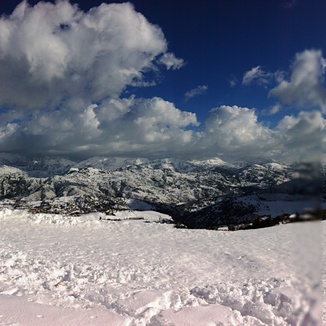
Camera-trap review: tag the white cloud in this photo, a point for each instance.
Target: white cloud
(171, 62)
(199, 90)
(62, 72)
(235, 131)
(156, 128)
(260, 77)
(275, 109)
(306, 86)
(302, 136)
(257, 75)
(233, 81)
(272, 110)
(53, 51)
(7, 131)
(129, 126)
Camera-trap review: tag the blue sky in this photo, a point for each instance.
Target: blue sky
(222, 39)
(220, 54)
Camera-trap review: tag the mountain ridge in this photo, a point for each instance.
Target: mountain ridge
(178, 187)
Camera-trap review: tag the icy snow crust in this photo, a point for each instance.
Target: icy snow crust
(132, 270)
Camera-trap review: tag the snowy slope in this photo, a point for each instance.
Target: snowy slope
(131, 270)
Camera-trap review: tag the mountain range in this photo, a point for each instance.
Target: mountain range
(196, 193)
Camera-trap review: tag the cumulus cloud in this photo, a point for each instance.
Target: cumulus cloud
(275, 109)
(306, 88)
(199, 90)
(63, 72)
(233, 81)
(236, 131)
(272, 110)
(150, 125)
(257, 75)
(302, 135)
(156, 128)
(50, 52)
(260, 77)
(129, 126)
(171, 62)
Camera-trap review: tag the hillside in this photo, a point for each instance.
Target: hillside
(187, 190)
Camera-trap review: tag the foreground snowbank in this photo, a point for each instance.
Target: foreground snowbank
(130, 270)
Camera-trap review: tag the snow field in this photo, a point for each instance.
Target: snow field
(57, 270)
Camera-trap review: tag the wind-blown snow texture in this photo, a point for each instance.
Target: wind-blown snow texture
(129, 271)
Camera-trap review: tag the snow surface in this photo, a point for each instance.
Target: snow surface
(215, 162)
(133, 270)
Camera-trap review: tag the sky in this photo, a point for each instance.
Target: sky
(238, 80)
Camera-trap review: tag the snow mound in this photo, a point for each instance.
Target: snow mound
(91, 219)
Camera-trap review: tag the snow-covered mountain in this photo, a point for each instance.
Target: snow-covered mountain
(184, 189)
